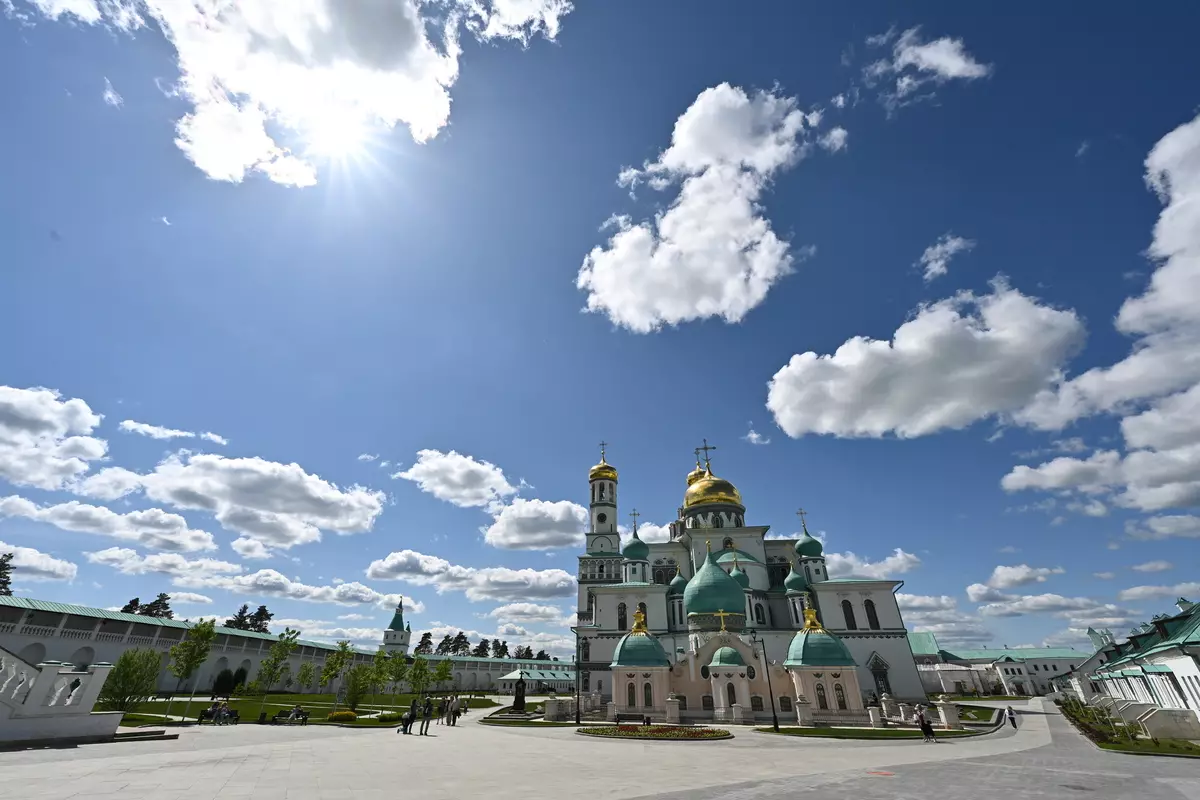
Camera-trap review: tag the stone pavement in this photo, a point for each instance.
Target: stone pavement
(1044, 758)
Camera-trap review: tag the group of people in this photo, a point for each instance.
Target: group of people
(447, 711)
(220, 713)
(927, 727)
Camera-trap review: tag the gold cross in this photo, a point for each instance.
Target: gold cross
(721, 615)
(635, 516)
(706, 448)
(802, 514)
(602, 446)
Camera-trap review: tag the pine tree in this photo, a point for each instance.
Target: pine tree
(461, 646)
(482, 650)
(6, 574)
(425, 646)
(501, 652)
(496, 648)
(132, 606)
(158, 607)
(259, 620)
(542, 655)
(241, 620)
(445, 645)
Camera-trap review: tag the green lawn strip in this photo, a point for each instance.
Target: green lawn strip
(862, 733)
(1165, 747)
(991, 697)
(662, 733)
(976, 713)
(133, 719)
(526, 723)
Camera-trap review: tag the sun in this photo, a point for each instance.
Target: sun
(337, 137)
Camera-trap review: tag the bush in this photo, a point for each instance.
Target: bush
(239, 677)
(342, 716)
(224, 683)
(391, 716)
(132, 680)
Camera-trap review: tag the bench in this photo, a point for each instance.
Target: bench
(638, 718)
(206, 715)
(284, 717)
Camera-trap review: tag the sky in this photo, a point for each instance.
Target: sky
(320, 304)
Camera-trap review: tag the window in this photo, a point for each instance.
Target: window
(756, 703)
(759, 616)
(822, 703)
(848, 613)
(586, 680)
(716, 521)
(585, 650)
(648, 695)
(785, 704)
(872, 617)
(731, 693)
(682, 702)
(776, 575)
(1054, 667)
(706, 702)
(840, 696)
(704, 672)
(630, 696)
(750, 672)
(622, 620)
(642, 608)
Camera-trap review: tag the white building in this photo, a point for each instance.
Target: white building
(539, 681)
(761, 593)
(1018, 671)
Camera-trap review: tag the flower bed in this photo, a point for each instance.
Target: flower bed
(665, 732)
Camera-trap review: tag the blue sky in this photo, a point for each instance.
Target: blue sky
(944, 261)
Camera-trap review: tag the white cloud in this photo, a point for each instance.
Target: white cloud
(270, 583)
(1084, 146)
(527, 614)
(1008, 548)
(1155, 592)
(190, 598)
(323, 631)
(367, 457)
(957, 361)
(1021, 575)
(153, 431)
(354, 616)
(650, 533)
(151, 527)
(838, 101)
(916, 65)
(754, 437)
(711, 253)
(459, 479)
(841, 565)
(1181, 526)
(209, 436)
(1104, 576)
(1153, 566)
(274, 84)
(1089, 508)
(250, 548)
(834, 140)
(129, 562)
(1073, 608)
(917, 602)
(486, 583)
(110, 95)
(936, 258)
(941, 616)
(45, 441)
(33, 565)
(1093, 474)
(279, 505)
(537, 525)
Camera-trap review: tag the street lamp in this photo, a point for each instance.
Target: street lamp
(766, 668)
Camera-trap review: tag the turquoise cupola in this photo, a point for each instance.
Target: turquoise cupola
(795, 581)
(677, 584)
(742, 578)
(711, 590)
(638, 648)
(808, 547)
(816, 647)
(635, 549)
(726, 657)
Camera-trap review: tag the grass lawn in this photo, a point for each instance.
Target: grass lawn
(133, 719)
(318, 705)
(1164, 747)
(975, 713)
(522, 723)
(861, 733)
(663, 732)
(995, 697)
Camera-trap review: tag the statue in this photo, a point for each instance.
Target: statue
(519, 696)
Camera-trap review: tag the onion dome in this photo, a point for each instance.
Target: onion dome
(726, 657)
(808, 547)
(638, 648)
(602, 471)
(708, 489)
(712, 590)
(635, 549)
(742, 578)
(678, 584)
(816, 647)
(696, 474)
(795, 581)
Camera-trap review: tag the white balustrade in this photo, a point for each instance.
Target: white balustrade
(110, 637)
(69, 633)
(7, 627)
(140, 640)
(38, 630)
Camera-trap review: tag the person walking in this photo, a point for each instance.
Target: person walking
(454, 710)
(413, 711)
(1012, 717)
(426, 716)
(441, 710)
(926, 726)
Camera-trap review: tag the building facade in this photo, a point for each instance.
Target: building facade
(1014, 671)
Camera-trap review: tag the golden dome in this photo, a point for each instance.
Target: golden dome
(695, 474)
(709, 489)
(602, 471)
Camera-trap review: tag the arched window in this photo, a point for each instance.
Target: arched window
(586, 650)
(716, 521)
(731, 693)
(599, 685)
(796, 613)
(642, 608)
(630, 696)
(840, 696)
(822, 703)
(759, 616)
(872, 617)
(785, 704)
(848, 613)
(807, 573)
(622, 621)
(682, 702)
(648, 695)
(756, 703)
(706, 702)
(600, 491)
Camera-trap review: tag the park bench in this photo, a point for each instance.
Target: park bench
(638, 718)
(206, 715)
(284, 717)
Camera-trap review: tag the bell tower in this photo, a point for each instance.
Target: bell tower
(603, 536)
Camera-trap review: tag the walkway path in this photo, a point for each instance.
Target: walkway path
(1044, 758)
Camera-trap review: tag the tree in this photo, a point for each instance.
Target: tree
(522, 652)
(397, 667)
(305, 676)
(158, 607)
(132, 680)
(419, 675)
(542, 655)
(358, 684)
(482, 650)
(501, 651)
(223, 684)
(6, 574)
(239, 678)
(132, 606)
(240, 621)
(335, 664)
(445, 645)
(461, 646)
(425, 646)
(189, 655)
(270, 670)
(260, 619)
(443, 673)
(496, 648)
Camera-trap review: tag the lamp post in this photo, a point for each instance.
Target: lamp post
(578, 676)
(766, 668)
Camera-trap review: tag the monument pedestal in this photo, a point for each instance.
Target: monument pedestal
(672, 710)
(804, 717)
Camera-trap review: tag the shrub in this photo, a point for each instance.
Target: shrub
(342, 716)
(132, 680)
(391, 716)
(224, 683)
(239, 677)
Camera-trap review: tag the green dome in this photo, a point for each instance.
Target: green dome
(733, 554)
(795, 581)
(711, 590)
(635, 549)
(678, 584)
(726, 657)
(742, 578)
(817, 647)
(638, 649)
(808, 547)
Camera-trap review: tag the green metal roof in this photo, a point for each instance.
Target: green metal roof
(711, 589)
(1155, 668)
(923, 644)
(818, 648)
(726, 657)
(1018, 653)
(54, 607)
(539, 675)
(733, 554)
(639, 650)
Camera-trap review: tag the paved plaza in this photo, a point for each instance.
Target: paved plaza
(1044, 758)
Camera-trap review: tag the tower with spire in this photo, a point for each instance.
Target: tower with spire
(603, 537)
(397, 635)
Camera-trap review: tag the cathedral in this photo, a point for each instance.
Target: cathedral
(678, 627)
